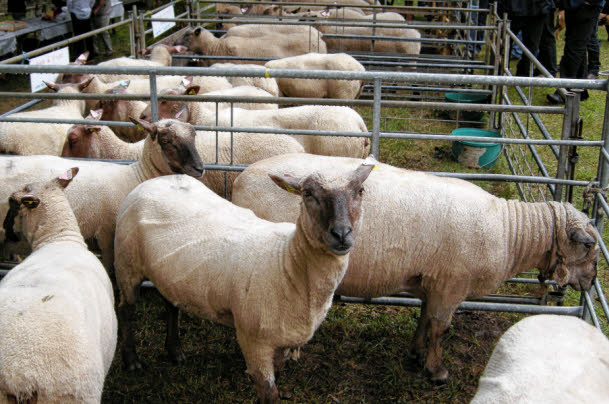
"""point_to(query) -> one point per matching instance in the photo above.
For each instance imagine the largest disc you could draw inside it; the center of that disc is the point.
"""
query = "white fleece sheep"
(310, 117)
(25, 138)
(57, 315)
(99, 142)
(364, 45)
(272, 282)
(441, 239)
(258, 45)
(547, 359)
(267, 84)
(319, 88)
(96, 194)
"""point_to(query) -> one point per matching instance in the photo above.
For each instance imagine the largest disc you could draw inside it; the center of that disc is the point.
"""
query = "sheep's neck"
(211, 45)
(57, 223)
(315, 271)
(530, 228)
(119, 149)
(146, 167)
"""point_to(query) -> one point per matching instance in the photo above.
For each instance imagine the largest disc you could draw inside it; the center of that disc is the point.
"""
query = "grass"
(359, 354)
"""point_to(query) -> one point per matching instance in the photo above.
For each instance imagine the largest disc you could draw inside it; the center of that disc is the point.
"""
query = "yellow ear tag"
(29, 203)
(289, 189)
(375, 168)
(91, 130)
(139, 127)
(191, 92)
(266, 73)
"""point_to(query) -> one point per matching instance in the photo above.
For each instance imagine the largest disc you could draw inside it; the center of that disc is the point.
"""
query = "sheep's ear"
(580, 236)
(325, 13)
(360, 174)
(84, 84)
(51, 85)
(192, 90)
(182, 115)
(179, 48)
(95, 114)
(144, 52)
(198, 31)
(30, 201)
(147, 126)
(287, 182)
(67, 177)
(82, 59)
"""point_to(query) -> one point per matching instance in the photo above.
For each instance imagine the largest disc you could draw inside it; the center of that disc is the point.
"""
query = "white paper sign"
(58, 57)
(158, 27)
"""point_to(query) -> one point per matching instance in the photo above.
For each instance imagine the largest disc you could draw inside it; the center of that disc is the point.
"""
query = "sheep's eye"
(307, 194)
(163, 102)
(361, 191)
(163, 140)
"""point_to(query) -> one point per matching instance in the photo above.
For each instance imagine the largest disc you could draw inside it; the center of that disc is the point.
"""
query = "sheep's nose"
(341, 232)
(145, 117)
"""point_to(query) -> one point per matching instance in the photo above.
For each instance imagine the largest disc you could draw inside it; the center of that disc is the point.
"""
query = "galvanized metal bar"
(603, 166)
(601, 297)
(563, 150)
(591, 310)
(21, 108)
(154, 104)
(470, 306)
(65, 42)
(132, 49)
(376, 119)
(411, 77)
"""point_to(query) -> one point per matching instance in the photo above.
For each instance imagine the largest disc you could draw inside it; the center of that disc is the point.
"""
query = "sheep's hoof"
(439, 377)
(131, 361)
(134, 366)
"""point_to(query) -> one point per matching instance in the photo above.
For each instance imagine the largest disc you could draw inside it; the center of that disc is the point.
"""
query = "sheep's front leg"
(418, 344)
(172, 339)
(439, 321)
(259, 361)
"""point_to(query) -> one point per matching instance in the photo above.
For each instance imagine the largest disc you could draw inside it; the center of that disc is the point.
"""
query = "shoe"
(584, 95)
(555, 98)
(592, 76)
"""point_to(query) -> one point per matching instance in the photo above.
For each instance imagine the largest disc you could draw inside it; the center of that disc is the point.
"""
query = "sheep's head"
(29, 206)
(172, 109)
(193, 38)
(115, 110)
(177, 142)
(78, 140)
(74, 87)
(75, 77)
(575, 251)
(331, 206)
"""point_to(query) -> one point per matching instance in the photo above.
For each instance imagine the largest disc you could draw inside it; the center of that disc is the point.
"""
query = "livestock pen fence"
(541, 162)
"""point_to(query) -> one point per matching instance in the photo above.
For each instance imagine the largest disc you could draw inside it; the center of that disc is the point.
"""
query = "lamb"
(57, 315)
(547, 359)
(311, 117)
(99, 142)
(99, 189)
(355, 45)
(203, 111)
(346, 89)
(267, 84)
(272, 282)
(270, 46)
(457, 241)
(28, 138)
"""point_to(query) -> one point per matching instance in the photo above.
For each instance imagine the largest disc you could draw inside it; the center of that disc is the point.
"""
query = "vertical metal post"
(505, 41)
(376, 118)
(373, 26)
(603, 167)
(154, 103)
(496, 63)
(142, 32)
(563, 150)
(188, 4)
(136, 32)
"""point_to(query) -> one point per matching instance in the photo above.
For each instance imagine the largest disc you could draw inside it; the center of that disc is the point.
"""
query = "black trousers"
(81, 27)
(579, 24)
(531, 27)
(547, 45)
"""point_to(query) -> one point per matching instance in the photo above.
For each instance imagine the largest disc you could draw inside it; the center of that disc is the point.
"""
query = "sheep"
(74, 78)
(100, 142)
(547, 359)
(204, 111)
(123, 111)
(160, 55)
(28, 138)
(272, 282)
(356, 45)
(348, 89)
(267, 84)
(457, 241)
(57, 315)
(311, 117)
(270, 46)
(99, 189)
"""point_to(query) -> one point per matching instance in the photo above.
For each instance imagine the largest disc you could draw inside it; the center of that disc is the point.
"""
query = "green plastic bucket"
(476, 154)
(468, 98)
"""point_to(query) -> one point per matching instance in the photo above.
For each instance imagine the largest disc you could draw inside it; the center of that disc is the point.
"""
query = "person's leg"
(547, 46)
(579, 25)
(593, 47)
(77, 28)
(531, 35)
